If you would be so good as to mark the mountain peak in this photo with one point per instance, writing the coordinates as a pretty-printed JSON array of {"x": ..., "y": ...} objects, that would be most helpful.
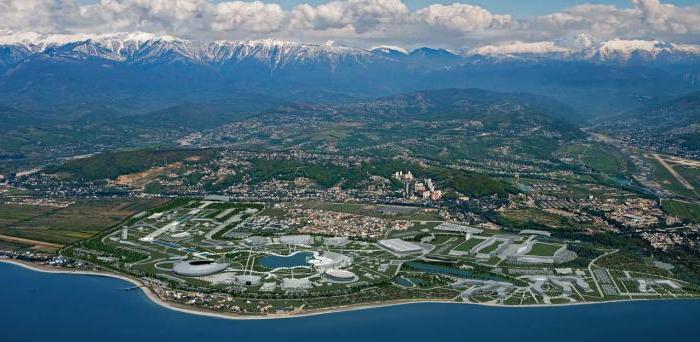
[
  {"x": 388, "y": 49},
  {"x": 148, "y": 47},
  {"x": 620, "y": 49},
  {"x": 42, "y": 39},
  {"x": 616, "y": 50}
]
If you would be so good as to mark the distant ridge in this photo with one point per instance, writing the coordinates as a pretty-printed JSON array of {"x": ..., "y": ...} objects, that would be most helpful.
[
  {"x": 147, "y": 47},
  {"x": 141, "y": 72}
]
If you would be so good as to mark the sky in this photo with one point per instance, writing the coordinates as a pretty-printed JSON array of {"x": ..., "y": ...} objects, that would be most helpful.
[
  {"x": 518, "y": 8},
  {"x": 450, "y": 24}
]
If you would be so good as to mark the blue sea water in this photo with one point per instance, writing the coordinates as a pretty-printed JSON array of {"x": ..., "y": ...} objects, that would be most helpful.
[{"x": 59, "y": 307}]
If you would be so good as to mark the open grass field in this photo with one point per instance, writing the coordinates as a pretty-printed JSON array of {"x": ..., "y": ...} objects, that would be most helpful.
[
  {"x": 599, "y": 157},
  {"x": 533, "y": 215},
  {"x": 466, "y": 246},
  {"x": 10, "y": 214},
  {"x": 604, "y": 159},
  {"x": 491, "y": 248},
  {"x": 544, "y": 249},
  {"x": 274, "y": 212},
  {"x": 66, "y": 225},
  {"x": 684, "y": 210}
]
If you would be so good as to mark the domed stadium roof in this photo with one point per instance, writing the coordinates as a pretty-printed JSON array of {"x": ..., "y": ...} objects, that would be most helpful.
[{"x": 197, "y": 268}]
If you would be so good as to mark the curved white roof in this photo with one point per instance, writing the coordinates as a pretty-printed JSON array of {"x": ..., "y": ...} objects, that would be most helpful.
[
  {"x": 197, "y": 268},
  {"x": 340, "y": 274}
]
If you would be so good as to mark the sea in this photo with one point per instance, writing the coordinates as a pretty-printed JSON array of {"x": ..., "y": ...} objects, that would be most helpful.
[{"x": 36, "y": 306}]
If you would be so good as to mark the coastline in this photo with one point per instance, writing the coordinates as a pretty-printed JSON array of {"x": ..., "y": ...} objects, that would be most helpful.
[{"x": 338, "y": 309}]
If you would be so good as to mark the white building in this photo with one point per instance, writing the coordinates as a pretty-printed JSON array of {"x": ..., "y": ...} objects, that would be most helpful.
[
  {"x": 330, "y": 260},
  {"x": 294, "y": 284},
  {"x": 340, "y": 276},
  {"x": 401, "y": 247},
  {"x": 296, "y": 239}
]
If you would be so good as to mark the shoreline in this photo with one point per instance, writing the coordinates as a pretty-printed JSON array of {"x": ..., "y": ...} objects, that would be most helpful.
[{"x": 233, "y": 316}]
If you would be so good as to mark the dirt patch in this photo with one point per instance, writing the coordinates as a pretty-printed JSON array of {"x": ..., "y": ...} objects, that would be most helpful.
[
  {"x": 140, "y": 179},
  {"x": 35, "y": 243}
]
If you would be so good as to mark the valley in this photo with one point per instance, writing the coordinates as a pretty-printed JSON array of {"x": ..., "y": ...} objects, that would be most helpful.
[
  {"x": 523, "y": 208},
  {"x": 268, "y": 178}
]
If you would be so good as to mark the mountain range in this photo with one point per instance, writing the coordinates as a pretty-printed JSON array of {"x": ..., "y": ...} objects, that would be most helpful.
[
  {"x": 149, "y": 48},
  {"x": 74, "y": 75}
]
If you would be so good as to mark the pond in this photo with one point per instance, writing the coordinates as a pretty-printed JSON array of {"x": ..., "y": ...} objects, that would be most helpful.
[
  {"x": 298, "y": 259},
  {"x": 400, "y": 280}
]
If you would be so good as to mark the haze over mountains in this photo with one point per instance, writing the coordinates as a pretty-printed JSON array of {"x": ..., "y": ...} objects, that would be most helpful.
[{"x": 138, "y": 72}]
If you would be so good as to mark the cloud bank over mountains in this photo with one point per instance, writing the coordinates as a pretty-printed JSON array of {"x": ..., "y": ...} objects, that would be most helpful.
[{"x": 360, "y": 23}]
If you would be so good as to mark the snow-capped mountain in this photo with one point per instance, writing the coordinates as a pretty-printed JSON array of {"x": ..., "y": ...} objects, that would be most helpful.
[
  {"x": 148, "y": 71},
  {"x": 615, "y": 51},
  {"x": 276, "y": 54},
  {"x": 149, "y": 48},
  {"x": 389, "y": 50},
  {"x": 518, "y": 48},
  {"x": 643, "y": 50}
]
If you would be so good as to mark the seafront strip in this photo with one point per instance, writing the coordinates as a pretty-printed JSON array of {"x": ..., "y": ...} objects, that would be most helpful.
[{"x": 200, "y": 312}]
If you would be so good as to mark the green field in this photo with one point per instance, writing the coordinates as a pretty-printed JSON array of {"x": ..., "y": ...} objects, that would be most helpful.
[
  {"x": 599, "y": 157},
  {"x": 66, "y": 225},
  {"x": 684, "y": 210},
  {"x": 273, "y": 212},
  {"x": 544, "y": 249},
  {"x": 519, "y": 216},
  {"x": 491, "y": 248},
  {"x": 466, "y": 246}
]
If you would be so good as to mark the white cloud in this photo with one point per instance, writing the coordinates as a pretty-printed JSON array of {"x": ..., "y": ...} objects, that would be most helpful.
[
  {"x": 255, "y": 17},
  {"x": 38, "y": 15},
  {"x": 359, "y": 16},
  {"x": 668, "y": 18},
  {"x": 188, "y": 18},
  {"x": 358, "y": 22},
  {"x": 647, "y": 19},
  {"x": 461, "y": 18}
]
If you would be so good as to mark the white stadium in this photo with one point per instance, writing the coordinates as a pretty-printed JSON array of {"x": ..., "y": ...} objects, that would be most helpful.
[
  {"x": 340, "y": 276},
  {"x": 198, "y": 268}
]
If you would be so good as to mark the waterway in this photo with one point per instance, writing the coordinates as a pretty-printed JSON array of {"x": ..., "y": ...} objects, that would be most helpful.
[{"x": 61, "y": 307}]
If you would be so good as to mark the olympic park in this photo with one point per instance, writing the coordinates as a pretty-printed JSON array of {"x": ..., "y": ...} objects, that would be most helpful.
[
  {"x": 300, "y": 270},
  {"x": 200, "y": 244}
]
